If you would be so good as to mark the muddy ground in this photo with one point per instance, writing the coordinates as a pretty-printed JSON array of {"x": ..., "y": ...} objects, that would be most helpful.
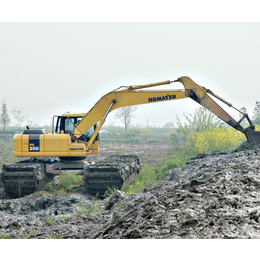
[
  {"x": 149, "y": 153},
  {"x": 213, "y": 196}
]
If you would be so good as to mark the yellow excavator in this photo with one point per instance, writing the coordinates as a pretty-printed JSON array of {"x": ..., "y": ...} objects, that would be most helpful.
[{"x": 75, "y": 136}]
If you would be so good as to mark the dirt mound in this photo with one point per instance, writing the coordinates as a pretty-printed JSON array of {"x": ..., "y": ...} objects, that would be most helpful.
[{"x": 214, "y": 195}]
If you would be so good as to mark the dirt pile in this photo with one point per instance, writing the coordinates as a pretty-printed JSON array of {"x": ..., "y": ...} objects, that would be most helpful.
[{"x": 213, "y": 196}]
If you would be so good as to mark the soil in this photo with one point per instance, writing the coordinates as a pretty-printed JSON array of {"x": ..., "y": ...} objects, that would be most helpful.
[
  {"x": 149, "y": 153},
  {"x": 214, "y": 195}
]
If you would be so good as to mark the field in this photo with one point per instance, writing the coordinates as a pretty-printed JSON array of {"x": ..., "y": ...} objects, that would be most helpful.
[{"x": 150, "y": 147}]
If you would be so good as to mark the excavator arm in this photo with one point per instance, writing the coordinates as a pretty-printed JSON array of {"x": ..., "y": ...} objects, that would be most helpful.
[
  {"x": 200, "y": 95},
  {"x": 141, "y": 94}
]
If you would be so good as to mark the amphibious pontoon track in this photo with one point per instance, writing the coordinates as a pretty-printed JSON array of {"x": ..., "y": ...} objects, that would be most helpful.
[
  {"x": 111, "y": 172},
  {"x": 21, "y": 179},
  {"x": 26, "y": 177}
]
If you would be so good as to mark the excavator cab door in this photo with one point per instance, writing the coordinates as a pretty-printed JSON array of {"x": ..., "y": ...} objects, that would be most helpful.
[{"x": 66, "y": 124}]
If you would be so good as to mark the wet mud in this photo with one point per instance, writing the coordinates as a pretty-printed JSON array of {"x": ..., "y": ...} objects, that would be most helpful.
[{"x": 214, "y": 195}]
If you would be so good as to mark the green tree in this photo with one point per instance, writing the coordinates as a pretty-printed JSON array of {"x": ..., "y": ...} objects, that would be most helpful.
[
  {"x": 5, "y": 119},
  {"x": 125, "y": 115}
]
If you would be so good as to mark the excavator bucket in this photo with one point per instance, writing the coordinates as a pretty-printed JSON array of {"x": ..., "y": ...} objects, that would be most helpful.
[{"x": 253, "y": 137}]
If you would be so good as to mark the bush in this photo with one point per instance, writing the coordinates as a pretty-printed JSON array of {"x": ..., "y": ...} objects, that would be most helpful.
[
  {"x": 202, "y": 120},
  {"x": 224, "y": 139},
  {"x": 203, "y": 132},
  {"x": 217, "y": 138}
]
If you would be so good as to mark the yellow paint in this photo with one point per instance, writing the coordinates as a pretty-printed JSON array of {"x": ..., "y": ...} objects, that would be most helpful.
[{"x": 50, "y": 145}]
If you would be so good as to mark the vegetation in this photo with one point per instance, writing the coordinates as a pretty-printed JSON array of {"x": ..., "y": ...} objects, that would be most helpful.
[
  {"x": 216, "y": 138},
  {"x": 50, "y": 221},
  {"x": 203, "y": 132},
  {"x": 4, "y": 116},
  {"x": 146, "y": 179},
  {"x": 4, "y": 236},
  {"x": 52, "y": 236},
  {"x": 19, "y": 117},
  {"x": 126, "y": 115},
  {"x": 93, "y": 209},
  {"x": 67, "y": 183},
  {"x": 6, "y": 149},
  {"x": 137, "y": 135},
  {"x": 201, "y": 120}
]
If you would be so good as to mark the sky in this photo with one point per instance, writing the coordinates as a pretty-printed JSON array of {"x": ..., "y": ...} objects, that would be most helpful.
[{"x": 49, "y": 68}]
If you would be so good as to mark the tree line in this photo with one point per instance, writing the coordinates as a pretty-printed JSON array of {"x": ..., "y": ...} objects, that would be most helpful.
[{"x": 124, "y": 114}]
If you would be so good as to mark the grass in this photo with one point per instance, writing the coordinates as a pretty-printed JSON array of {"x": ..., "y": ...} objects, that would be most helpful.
[
  {"x": 238, "y": 166},
  {"x": 177, "y": 159},
  {"x": 68, "y": 182},
  {"x": 5, "y": 236},
  {"x": 146, "y": 179},
  {"x": 50, "y": 221},
  {"x": 52, "y": 236},
  {"x": 94, "y": 209},
  {"x": 136, "y": 135}
]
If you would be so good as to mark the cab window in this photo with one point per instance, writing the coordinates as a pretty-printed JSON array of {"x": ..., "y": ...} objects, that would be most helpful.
[{"x": 69, "y": 125}]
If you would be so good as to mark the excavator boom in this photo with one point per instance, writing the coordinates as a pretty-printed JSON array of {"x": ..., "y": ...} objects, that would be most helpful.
[{"x": 117, "y": 99}]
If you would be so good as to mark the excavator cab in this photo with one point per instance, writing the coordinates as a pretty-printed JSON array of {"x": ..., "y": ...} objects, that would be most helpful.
[{"x": 66, "y": 123}]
